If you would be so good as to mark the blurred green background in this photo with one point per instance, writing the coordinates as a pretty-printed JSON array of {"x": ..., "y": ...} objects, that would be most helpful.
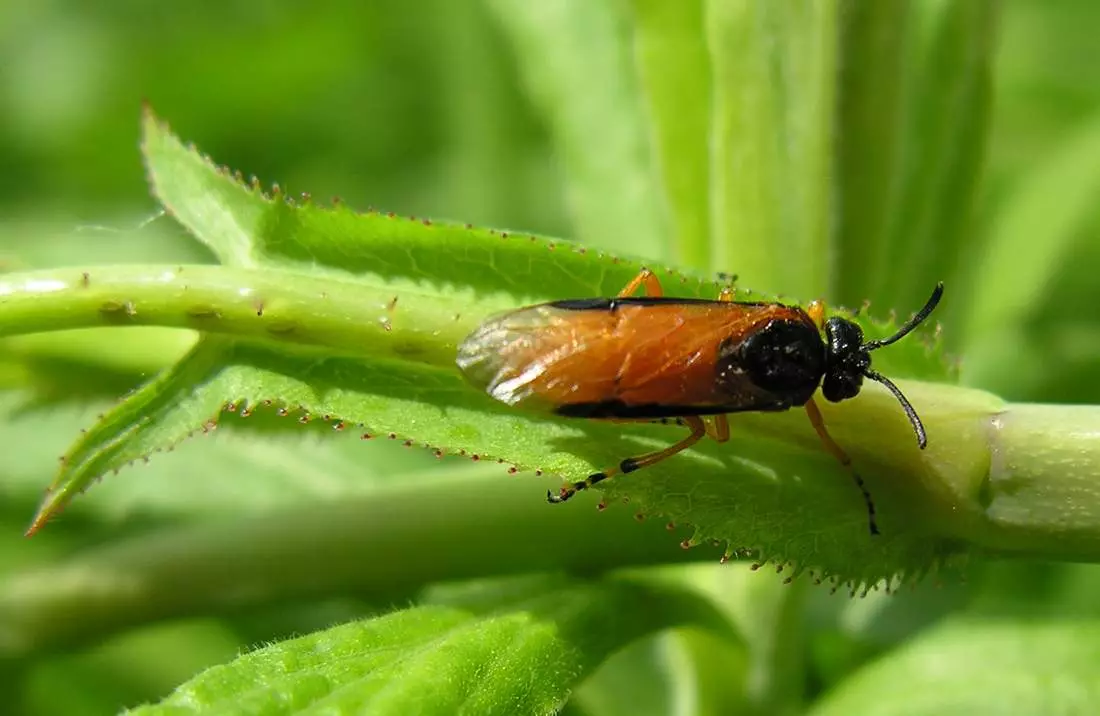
[{"x": 413, "y": 107}]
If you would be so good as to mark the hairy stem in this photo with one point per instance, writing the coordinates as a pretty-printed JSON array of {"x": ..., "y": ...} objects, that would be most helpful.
[{"x": 271, "y": 304}]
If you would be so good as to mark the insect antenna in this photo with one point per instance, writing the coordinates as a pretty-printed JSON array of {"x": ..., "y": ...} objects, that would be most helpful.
[
  {"x": 914, "y": 419},
  {"x": 916, "y": 320},
  {"x": 912, "y": 323}
]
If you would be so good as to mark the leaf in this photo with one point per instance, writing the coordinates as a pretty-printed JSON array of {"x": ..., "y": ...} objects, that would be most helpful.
[
  {"x": 947, "y": 90},
  {"x": 971, "y": 666},
  {"x": 242, "y": 468},
  {"x": 436, "y": 659},
  {"x": 771, "y": 617},
  {"x": 869, "y": 139},
  {"x": 634, "y": 680},
  {"x": 418, "y": 254},
  {"x": 733, "y": 498},
  {"x": 151, "y": 238},
  {"x": 180, "y": 403},
  {"x": 1032, "y": 238},
  {"x": 574, "y": 58},
  {"x": 674, "y": 70},
  {"x": 773, "y": 70}
]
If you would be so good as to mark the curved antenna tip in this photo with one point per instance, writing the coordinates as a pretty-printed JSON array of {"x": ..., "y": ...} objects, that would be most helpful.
[
  {"x": 910, "y": 412},
  {"x": 916, "y": 320}
]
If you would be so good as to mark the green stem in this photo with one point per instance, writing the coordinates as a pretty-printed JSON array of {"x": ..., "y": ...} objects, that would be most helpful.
[
  {"x": 1042, "y": 494},
  {"x": 382, "y": 547},
  {"x": 271, "y": 304},
  {"x": 1019, "y": 478}
]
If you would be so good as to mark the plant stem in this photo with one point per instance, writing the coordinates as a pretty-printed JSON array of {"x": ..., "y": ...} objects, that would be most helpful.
[
  {"x": 381, "y": 547},
  {"x": 271, "y": 304},
  {"x": 1042, "y": 494}
]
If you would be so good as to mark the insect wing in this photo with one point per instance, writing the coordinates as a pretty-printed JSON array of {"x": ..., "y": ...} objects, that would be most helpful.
[
  {"x": 652, "y": 359},
  {"x": 507, "y": 353}
]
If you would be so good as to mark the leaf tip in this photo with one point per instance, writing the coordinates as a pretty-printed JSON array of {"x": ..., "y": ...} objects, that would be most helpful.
[
  {"x": 150, "y": 122},
  {"x": 51, "y": 506}
]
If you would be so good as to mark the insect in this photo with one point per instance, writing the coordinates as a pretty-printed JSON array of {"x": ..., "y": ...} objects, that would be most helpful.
[{"x": 651, "y": 357}]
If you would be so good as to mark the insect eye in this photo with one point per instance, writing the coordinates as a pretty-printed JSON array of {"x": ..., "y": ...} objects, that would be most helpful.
[{"x": 839, "y": 386}]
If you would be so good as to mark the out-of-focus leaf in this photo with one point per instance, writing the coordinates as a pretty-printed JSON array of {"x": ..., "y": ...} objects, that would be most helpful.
[
  {"x": 575, "y": 59},
  {"x": 947, "y": 93},
  {"x": 634, "y": 680},
  {"x": 1035, "y": 234},
  {"x": 674, "y": 69},
  {"x": 980, "y": 666},
  {"x": 869, "y": 138},
  {"x": 773, "y": 73},
  {"x": 28, "y": 244},
  {"x": 91, "y": 363},
  {"x": 126, "y": 670}
]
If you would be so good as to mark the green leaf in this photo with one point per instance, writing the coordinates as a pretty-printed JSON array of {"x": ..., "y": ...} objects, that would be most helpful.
[
  {"x": 575, "y": 59},
  {"x": 773, "y": 69},
  {"x": 674, "y": 70},
  {"x": 463, "y": 263},
  {"x": 947, "y": 90},
  {"x": 1041, "y": 221},
  {"x": 435, "y": 659},
  {"x": 634, "y": 680},
  {"x": 732, "y": 496},
  {"x": 869, "y": 141},
  {"x": 980, "y": 666},
  {"x": 226, "y": 231},
  {"x": 770, "y": 615},
  {"x": 241, "y": 468},
  {"x": 150, "y": 238}
]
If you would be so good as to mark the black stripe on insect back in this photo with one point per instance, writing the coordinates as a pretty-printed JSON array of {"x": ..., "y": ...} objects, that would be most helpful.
[
  {"x": 619, "y": 409},
  {"x": 609, "y": 304}
]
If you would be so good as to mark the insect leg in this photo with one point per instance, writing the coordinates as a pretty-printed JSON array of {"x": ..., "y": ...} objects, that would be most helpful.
[
  {"x": 818, "y": 422},
  {"x": 630, "y": 464},
  {"x": 726, "y": 294},
  {"x": 816, "y": 312},
  {"x": 719, "y": 432},
  {"x": 645, "y": 278}
]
